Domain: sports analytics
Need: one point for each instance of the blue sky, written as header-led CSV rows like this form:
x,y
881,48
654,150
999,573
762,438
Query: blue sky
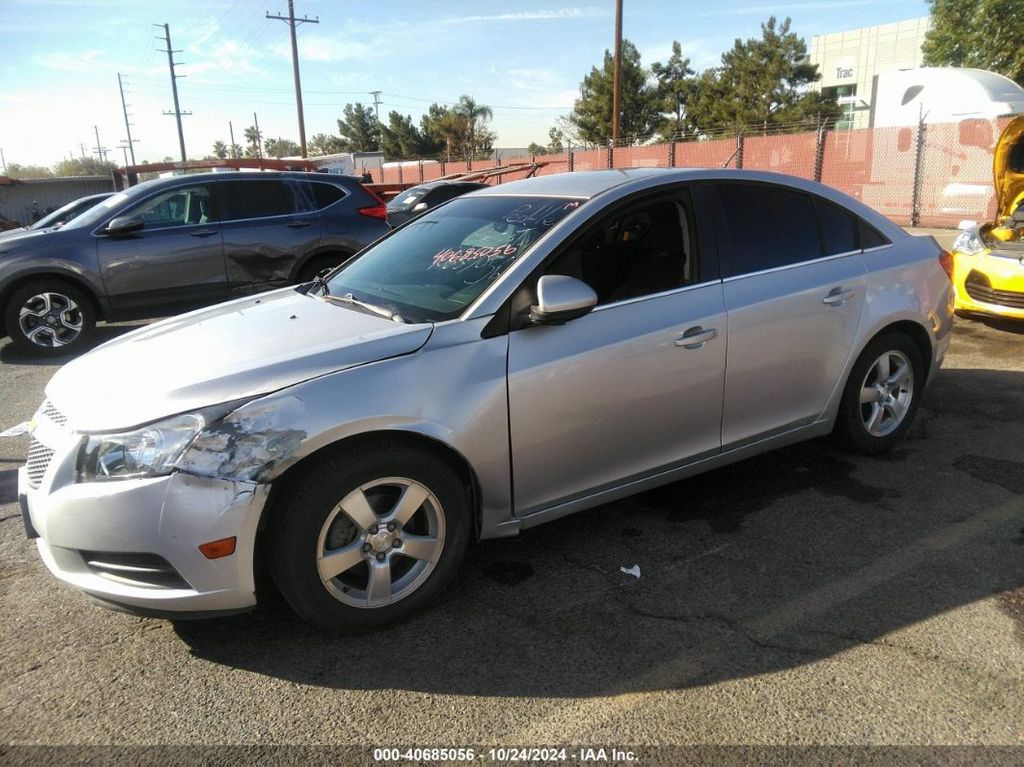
x,y
59,61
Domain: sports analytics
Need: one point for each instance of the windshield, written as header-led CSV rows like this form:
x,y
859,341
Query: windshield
x,y
63,214
431,269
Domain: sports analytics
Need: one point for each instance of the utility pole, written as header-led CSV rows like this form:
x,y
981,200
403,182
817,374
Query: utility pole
x,y
231,132
292,23
124,148
376,104
174,86
616,66
3,161
101,151
127,125
256,125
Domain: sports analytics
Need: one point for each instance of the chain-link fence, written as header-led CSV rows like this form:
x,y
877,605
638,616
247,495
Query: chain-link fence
x,y
924,175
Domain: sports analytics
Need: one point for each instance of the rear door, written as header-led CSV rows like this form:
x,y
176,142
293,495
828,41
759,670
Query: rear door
x,y
175,260
795,285
269,226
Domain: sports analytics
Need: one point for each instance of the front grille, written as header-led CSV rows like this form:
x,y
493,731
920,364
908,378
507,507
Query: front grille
x,y
39,456
53,414
134,569
980,289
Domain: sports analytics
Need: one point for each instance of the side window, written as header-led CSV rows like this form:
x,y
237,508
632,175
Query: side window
x,y
257,199
767,226
871,237
326,194
177,207
647,248
838,227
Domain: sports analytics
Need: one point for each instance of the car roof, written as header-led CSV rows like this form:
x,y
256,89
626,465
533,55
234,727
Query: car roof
x,y
585,184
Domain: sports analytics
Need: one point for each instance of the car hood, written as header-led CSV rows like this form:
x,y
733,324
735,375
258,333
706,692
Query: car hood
x,y
1009,183
14,233
235,350
16,238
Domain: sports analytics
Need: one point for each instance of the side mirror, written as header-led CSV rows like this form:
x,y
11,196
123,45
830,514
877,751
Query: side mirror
x,y
560,299
419,207
124,225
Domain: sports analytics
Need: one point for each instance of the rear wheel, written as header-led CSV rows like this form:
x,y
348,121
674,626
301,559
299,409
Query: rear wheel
x,y
881,394
364,540
49,318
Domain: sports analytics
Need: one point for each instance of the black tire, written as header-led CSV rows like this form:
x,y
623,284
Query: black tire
x,y
317,264
853,427
305,524
62,308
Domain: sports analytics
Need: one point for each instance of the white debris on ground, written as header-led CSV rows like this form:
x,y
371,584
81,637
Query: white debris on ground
x,y
15,431
634,570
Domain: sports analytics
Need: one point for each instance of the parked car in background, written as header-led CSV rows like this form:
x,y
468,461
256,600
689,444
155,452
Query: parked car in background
x,y
60,216
989,258
412,202
521,353
172,244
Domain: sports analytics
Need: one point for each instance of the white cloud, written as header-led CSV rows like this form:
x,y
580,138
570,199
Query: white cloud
x,y
799,6
68,62
541,15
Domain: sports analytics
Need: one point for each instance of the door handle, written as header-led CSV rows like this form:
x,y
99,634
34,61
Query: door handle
x,y
696,337
837,297
202,232
298,224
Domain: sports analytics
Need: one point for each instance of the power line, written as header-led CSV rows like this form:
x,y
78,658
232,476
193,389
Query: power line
x,y
292,23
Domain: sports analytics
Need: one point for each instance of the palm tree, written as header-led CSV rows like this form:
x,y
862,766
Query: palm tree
x,y
220,149
473,113
253,137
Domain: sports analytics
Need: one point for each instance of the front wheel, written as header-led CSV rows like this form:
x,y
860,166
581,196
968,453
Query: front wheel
x,y
364,540
49,318
881,394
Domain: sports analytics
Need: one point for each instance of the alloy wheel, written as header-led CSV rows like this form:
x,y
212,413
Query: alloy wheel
x,y
50,319
886,393
380,542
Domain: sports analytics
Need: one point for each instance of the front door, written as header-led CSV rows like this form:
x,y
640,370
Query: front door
x,y
636,385
176,260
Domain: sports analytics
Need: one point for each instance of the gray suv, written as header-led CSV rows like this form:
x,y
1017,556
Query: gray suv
x,y
169,245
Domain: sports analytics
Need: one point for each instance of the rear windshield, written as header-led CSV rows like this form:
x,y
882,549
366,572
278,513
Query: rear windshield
x,y
431,269
408,198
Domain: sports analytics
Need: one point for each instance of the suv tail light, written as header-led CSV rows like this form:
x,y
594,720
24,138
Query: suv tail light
x,y
374,211
946,262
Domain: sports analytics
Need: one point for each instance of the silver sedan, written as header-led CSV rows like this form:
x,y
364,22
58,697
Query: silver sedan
x,y
518,354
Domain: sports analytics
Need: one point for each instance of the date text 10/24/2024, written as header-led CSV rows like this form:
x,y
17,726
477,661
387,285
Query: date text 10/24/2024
x,y
577,754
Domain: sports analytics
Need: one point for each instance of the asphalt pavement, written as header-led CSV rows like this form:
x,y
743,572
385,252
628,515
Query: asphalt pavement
x,y
807,596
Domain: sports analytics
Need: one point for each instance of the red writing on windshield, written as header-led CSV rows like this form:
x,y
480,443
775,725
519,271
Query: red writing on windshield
x,y
449,257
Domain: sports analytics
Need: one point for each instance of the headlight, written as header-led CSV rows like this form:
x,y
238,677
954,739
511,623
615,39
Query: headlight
x,y
147,452
969,242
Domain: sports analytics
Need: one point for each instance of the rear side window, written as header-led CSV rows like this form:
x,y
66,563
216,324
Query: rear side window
x,y
870,237
257,199
838,227
767,226
326,194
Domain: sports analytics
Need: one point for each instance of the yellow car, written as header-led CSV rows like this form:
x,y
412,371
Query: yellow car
x,y
988,260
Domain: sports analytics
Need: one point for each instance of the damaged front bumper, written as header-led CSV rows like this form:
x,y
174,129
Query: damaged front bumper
x,y
133,544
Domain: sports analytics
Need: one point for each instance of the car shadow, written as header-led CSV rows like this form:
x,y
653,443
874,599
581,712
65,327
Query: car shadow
x,y
774,562
12,355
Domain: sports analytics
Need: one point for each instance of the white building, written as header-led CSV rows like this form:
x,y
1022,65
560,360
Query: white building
x,y
849,61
